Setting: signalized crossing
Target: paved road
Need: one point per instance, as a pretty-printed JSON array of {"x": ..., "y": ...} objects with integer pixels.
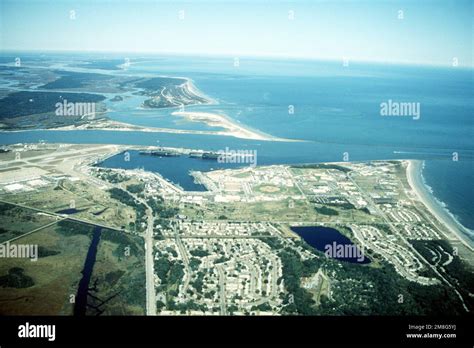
[
  {"x": 149, "y": 259},
  {"x": 33, "y": 231},
  {"x": 220, "y": 270},
  {"x": 150, "y": 272},
  {"x": 64, "y": 216},
  {"x": 184, "y": 255}
]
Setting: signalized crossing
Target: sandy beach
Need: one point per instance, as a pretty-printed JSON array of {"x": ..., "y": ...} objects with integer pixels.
[
  {"x": 109, "y": 125},
  {"x": 230, "y": 127},
  {"x": 415, "y": 180},
  {"x": 189, "y": 84}
]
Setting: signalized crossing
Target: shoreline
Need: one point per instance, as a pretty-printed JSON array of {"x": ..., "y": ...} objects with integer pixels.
[
  {"x": 110, "y": 125},
  {"x": 222, "y": 121},
  {"x": 418, "y": 186},
  {"x": 230, "y": 127},
  {"x": 191, "y": 87}
]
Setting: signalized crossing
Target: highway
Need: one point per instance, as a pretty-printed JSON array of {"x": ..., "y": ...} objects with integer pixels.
[
  {"x": 222, "y": 291},
  {"x": 149, "y": 258},
  {"x": 184, "y": 255},
  {"x": 149, "y": 262},
  {"x": 63, "y": 216}
]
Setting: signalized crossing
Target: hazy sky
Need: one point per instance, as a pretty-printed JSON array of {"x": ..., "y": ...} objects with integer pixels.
[{"x": 431, "y": 32}]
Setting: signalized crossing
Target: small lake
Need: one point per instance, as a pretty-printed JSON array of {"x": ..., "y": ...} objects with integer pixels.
[
  {"x": 68, "y": 211},
  {"x": 327, "y": 238}
]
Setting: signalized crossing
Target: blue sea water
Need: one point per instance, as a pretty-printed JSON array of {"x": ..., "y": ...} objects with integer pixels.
[{"x": 336, "y": 110}]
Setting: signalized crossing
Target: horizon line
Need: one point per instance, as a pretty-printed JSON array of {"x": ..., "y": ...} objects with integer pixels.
[{"x": 247, "y": 55}]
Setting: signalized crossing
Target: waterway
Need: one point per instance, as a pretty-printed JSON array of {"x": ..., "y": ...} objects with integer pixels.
[{"x": 80, "y": 306}]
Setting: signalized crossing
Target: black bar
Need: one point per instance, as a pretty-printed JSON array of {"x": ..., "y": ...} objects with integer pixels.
[{"x": 196, "y": 330}]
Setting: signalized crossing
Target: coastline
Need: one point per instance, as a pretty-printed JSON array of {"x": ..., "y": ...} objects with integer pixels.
[
  {"x": 231, "y": 127},
  {"x": 418, "y": 185},
  {"x": 191, "y": 87},
  {"x": 110, "y": 125}
]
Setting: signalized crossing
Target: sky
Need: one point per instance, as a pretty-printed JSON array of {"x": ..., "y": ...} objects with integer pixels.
[{"x": 412, "y": 32}]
